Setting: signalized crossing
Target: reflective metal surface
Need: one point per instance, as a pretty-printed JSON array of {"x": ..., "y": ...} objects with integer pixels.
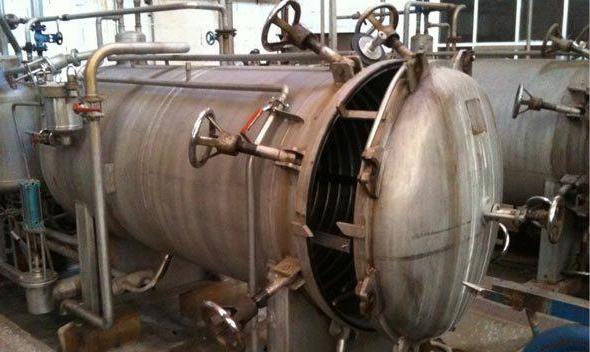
[
  {"x": 26, "y": 119},
  {"x": 439, "y": 171},
  {"x": 538, "y": 145}
]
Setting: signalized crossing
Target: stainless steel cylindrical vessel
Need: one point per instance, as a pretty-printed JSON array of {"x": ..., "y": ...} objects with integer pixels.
[
  {"x": 18, "y": 159},
  {"x": 538, "y": 145},
  {"x": 421, "y": 235}
]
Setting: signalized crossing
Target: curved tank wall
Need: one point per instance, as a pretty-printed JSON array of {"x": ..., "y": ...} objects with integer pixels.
[
  {"x": 18, "y": 157},
  {"x": 538, "y": 145},
  {"x": 156, "y": 197}
]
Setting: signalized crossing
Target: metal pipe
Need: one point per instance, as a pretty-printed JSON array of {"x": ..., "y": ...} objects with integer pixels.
[
  {"x": 78, "y": 310},
  {"x": 124, "y": 48},
  {"x": 104, "y": 265},
  {"x": 233, "y": 57},
  {"x": 137, "y": 4},
  {"x": 225, "y": 47},
  {"x": 529, "y": 25},
  {"x": 454, "y": 23},
  {"x": 119, "y": 5},
  {"x": 99, "y": 37},
  {"x": 3, "y": 39},
  {"x": 96, "y": 155},
  {"x": 10, "y": 272},
  {"x": 198, "y": 85},
  {"x": 251, "y": 211},
  {"x": 433, "y": 6},
  {"x": 56, "y": 62},
  {"x": 323, "y": 22},
  {"x": 62, "y": 249},
  {"x": 61, "y": 237},
  {"x": 333, "y": 25},
  {"x": 10, "y": 37}
]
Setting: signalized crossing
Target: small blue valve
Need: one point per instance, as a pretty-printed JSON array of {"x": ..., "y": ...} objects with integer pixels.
[{"x": 41, "y": 39}]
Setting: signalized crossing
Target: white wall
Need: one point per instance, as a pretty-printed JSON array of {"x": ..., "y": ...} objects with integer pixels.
[{"x": 190, "y": 25}]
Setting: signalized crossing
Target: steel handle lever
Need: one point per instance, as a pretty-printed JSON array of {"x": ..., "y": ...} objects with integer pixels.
[
  {"x": 554, "y": 43},
  {"x": 217, "y": 141},
  {"x": 540, "y": 211},
  {"x": 226, "y": 323},
  {"x": 525, "y": 98},
  {"x": 343, "y": 68}
]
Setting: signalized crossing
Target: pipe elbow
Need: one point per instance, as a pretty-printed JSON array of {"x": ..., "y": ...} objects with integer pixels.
[{"x": 101, "y": 53}]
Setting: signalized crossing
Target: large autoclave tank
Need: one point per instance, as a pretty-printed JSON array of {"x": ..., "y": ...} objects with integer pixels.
[
  {"x": 538, "y": 145},
  {"x": 420, "y": 237}
]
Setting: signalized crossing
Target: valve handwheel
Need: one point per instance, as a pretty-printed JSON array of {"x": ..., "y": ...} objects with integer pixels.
[
  {"x": 372, "y": 15},
  {"x": 197, "y": 159},
  {"x": 549, "y": 46},
  {"x": 368, "y": 47},
  {"x": 210, "y": 38},
  {"x": 283, "y": 23}
]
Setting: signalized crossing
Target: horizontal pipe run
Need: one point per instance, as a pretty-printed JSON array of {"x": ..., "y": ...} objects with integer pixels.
[
  {"x": 198, "y": 85},
  {"x": 61, "y": 237},
  {"x": 126, "y": 11},
  {"x": 56, "y": 62},
  {"x": 62, "y": 249},
  {"x": 133, "y": 10},
  {"x": 10, "y": 272},
  {"x": 493, "y": 53},
  {"x": 76, "y": 308},
  {"x": 240, "y": 57},
  {"x": 124, "y": 48}
]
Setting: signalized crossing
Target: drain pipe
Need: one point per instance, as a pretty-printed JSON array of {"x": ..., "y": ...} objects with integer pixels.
[{"x": 92, "y": 111}]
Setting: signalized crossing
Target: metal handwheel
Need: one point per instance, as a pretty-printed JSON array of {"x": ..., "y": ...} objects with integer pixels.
[
  {"x": 373, "y": 16},
  {"x": 275, "y": 18},
  {"x": 368, "y": 47},
  {"x": 197, "y": 140},
  {"x": 549, "y": 46}
]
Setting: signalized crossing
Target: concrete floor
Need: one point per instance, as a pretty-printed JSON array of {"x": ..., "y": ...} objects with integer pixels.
[{"x": 486, "y": 327}]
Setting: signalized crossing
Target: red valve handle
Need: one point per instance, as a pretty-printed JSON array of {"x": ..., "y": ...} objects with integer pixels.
[{"x": 80, "y": 108}]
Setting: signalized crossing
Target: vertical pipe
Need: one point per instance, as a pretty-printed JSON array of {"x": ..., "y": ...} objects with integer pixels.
[
  {"x": 119, "y": 6},
  {"x": 3, "y": 39},
  {"x": 517, "y": 23},
  {"x": 529, "y": 26},
  {"x": 229, "y": 7},
  {"x": 104, "y": 267},
  {"x": 10, "y": 37},
  {"x": 137, "y": 3},
  {"x": 566, "y": 9},
  {"x": 333, "y": 25},
  {"x": 475, "y": 20},
  {"x": 36, "y": 8},
  {"x": 152, "y": 26},
  {"x": 2, "y": 241},
  {"x": 99, "y": 38},
  {"x": 323, "y": 22},
  {"x": 87, "y": 258}
]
